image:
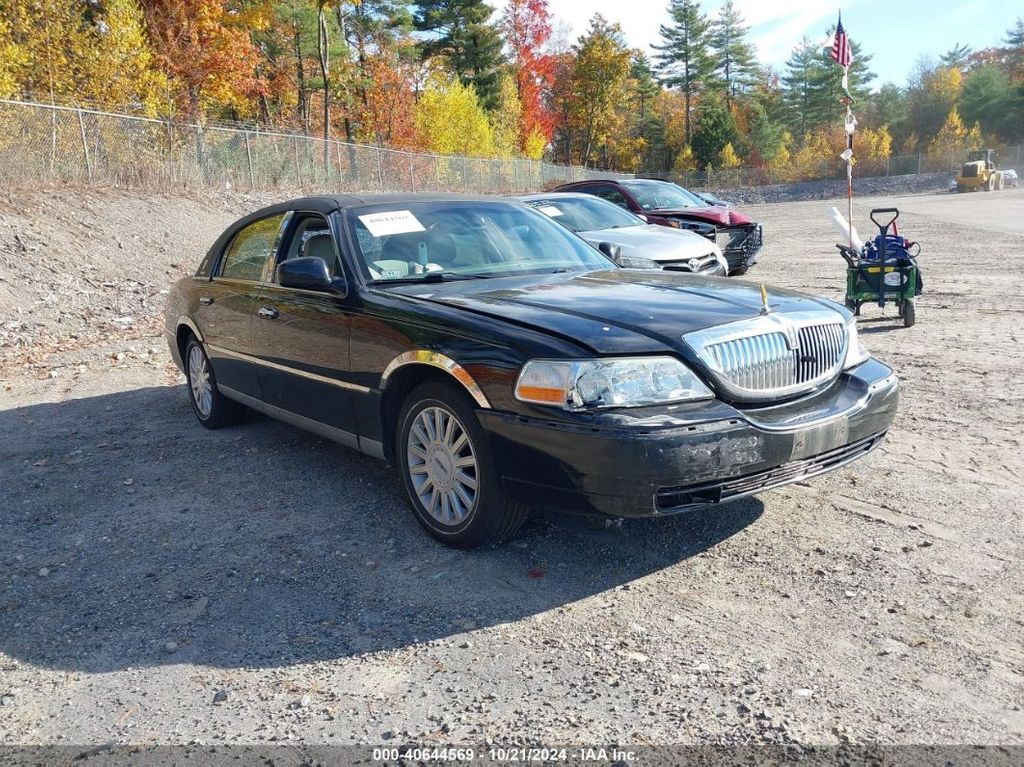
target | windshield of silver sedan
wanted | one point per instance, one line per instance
(464, 239)
(585, 213)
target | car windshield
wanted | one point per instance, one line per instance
(427, 241)
(585, 214)
(653, 195)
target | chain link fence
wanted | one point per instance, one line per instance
(62, 144)
(42, 142)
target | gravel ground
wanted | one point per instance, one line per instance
(166, 584)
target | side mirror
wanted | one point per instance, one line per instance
(641, 216)
(612, 251)
(308, 273)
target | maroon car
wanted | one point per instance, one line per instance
(668, 204)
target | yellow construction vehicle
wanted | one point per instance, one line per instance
(979, 172)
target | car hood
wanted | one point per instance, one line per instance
(614, 311)
(659, 243)
(713, 214)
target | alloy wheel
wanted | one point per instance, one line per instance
(199, 381)
(442, 465)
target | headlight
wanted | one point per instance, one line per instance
(855, 351)
(614, 382)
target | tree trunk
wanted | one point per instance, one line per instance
(324, 55)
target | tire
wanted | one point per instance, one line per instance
(739, 272)
(449, 474)
(212, 408)
(851, 305)
(909, 313)
(999, 183)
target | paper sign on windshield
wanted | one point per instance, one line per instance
(391, 222)
(549, 210)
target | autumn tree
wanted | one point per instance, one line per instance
(460, 32)
(451, 120)
(683, 60)
(526, 25)
(386, 115)
(596, 88)
(505, 117)
(207, 52)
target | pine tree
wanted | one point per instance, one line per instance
(733, 55)
(1015, 42)
(683, 61)
(467, 41)
(956, 57)
(716, 129)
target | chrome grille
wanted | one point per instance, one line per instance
(773, 355)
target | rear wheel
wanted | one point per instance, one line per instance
(909, 314)
(450, 477)
(212, 408)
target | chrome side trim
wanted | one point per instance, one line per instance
(292, 371)
(346, 438)
(437, 360)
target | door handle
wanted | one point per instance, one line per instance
(205, 300)
(267, 312)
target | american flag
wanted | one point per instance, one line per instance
(841, 52)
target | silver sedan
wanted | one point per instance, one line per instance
(598, 221)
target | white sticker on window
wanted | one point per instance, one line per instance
(549, 210)
(391, 222)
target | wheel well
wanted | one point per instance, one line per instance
(399, 385)
(181, 339)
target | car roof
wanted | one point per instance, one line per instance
(554, 196)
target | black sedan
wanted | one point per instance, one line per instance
(501, 363)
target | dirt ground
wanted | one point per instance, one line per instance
(160, 583)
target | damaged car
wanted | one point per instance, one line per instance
(668, 204)
(501, 363)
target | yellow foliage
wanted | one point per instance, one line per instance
(505, 118)
(954, 138)
(728, 158)
(535, 144)
(450, 120)
(121, 69)
(12, 59)
(685, 161)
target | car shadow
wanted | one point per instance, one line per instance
(133, 537)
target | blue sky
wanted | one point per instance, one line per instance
(896, 32)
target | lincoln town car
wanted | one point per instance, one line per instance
(501, 363)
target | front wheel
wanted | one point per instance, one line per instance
(450, 477)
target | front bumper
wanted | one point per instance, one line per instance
(690, 458)
(740, 245)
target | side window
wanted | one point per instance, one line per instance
(611, 194)
(310, 235)
(251, 249)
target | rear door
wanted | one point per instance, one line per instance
(301, 337)
(226, 303)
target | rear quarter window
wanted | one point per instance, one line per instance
(252, 249)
